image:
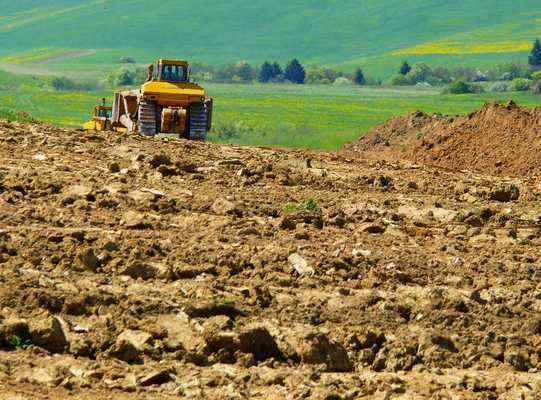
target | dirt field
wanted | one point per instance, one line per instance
(501, 139)
(161, 269)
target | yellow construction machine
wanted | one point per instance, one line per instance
(101, 120)
(168, 102)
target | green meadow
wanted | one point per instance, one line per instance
(317, 117)
(377, 35)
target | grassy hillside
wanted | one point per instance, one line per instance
(346, 32)
(318, 117)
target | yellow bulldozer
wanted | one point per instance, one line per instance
(168, 102)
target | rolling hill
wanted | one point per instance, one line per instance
(346, 32)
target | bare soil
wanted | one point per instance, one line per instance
(502, 139)
(133, 268)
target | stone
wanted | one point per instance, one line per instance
(257, 340)
(49, 334)
(518, 360)
(156, 378)
(139, 269)
(130, 346)
(135, 220)
(223, 207)
(300, 265)
(505, 193)
(114, 167)
(372, 228)
(316, 348)
(159, 159)
(88, 260)
(180, 331)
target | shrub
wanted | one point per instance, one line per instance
(521, 84)
(359, 78)
(536, 87)
(127, 76)
(127, 60)
(499, 87)
(536, 75)
(420, 73)
(399, 80)
(461, 87)
(62, 83)
(342, 81)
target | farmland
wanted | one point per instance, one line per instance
(317, 117)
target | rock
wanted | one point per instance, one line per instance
(257, 340)
(300, 265)
(518, 360)
(156, 378)
(316, 348)
(78, 192)
(130, 345)
(431, 339)
(505, 193)
(14, 333)
(160, 159)
(139, 269)
(223, 207)
(373, 228)
(114, 167)
(88, 260)
(180, 331)
(49, 333)
(135, 220)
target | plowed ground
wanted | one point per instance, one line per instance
(156, 269)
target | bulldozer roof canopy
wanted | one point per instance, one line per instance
(174, 62)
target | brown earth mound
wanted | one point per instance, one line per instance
(499, 139)
(134, 268)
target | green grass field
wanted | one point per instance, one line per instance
(317, 117)
(376, 34)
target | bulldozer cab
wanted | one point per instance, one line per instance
(103, 112)
(171, 71)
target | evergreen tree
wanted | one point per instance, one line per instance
(295, 72)
(276, 70)
(405, 68)
(535, 57)
(266, 73)
(359, 78)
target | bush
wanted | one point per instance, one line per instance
(420, 73)
(399, 80)
(127, 60)
(127, 77)
(521, 84)
(536, 87)
(461, 87)
(342, 81)
(62, 83)
(499, 87)
(536, 75)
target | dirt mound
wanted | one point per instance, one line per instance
(140, 268)
(498, 139)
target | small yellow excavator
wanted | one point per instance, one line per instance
(168, 102)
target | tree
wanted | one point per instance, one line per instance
(295, 72)
(405, 68)
(359, 78)
(266, 73)
(276, 70)
(535, 57)
(244, 71)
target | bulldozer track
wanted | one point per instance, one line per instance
(198, 122)
(147, 119)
